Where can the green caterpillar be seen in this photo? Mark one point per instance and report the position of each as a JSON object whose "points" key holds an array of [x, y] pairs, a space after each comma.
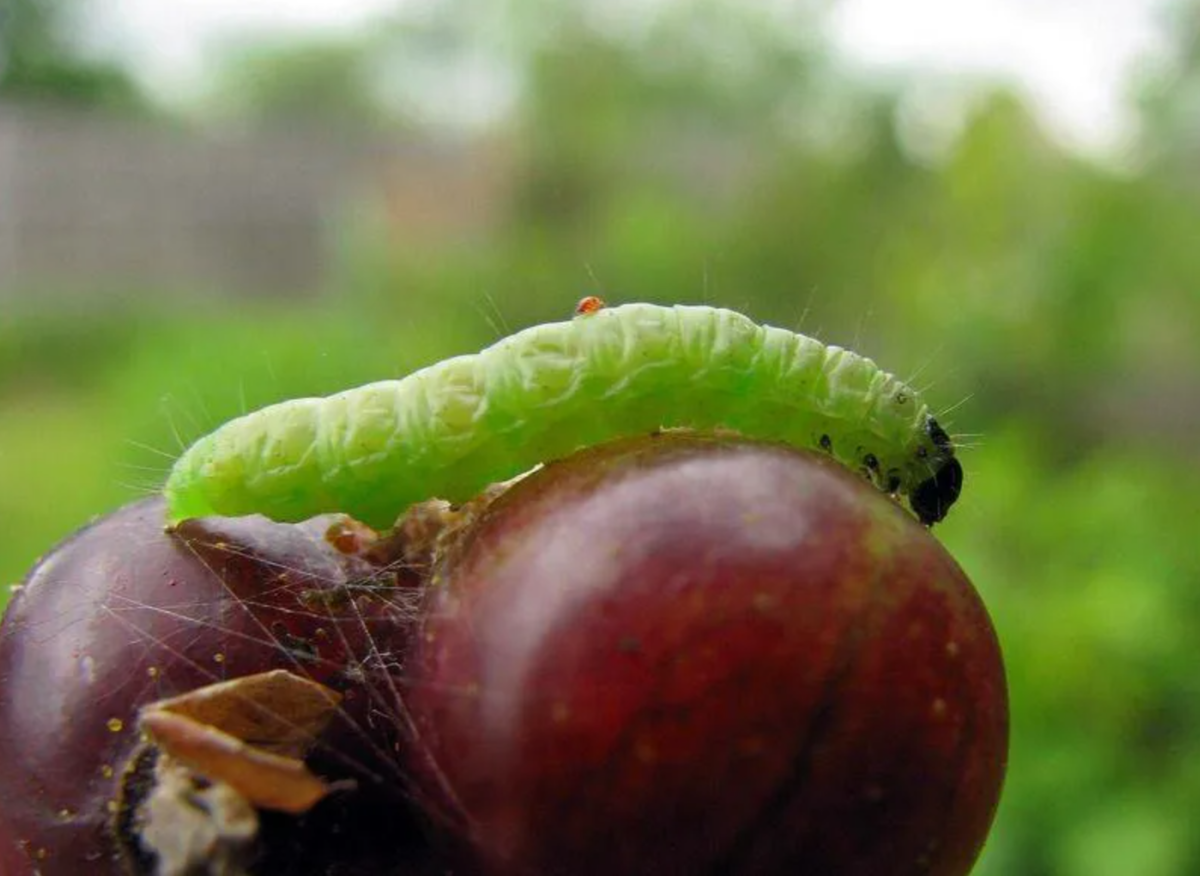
{"points": [[450, 429]]}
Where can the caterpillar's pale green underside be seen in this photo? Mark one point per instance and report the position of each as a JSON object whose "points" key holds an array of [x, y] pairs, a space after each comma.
{"points": [[452, 428]]}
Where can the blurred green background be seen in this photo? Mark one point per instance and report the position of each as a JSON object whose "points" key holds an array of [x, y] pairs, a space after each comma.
{"points": [[707, 152]]}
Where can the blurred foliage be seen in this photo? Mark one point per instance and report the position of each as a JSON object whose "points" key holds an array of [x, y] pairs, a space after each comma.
{"points": [[301, 81], [712, 153], [41, 58]]}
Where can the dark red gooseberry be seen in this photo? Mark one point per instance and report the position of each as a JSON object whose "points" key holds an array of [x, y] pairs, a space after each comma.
{"points": [[698, 655], [123, 614]]}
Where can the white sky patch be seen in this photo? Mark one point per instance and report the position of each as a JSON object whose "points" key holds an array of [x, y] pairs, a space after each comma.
{"points": [[1074, 58], [169, 41]]}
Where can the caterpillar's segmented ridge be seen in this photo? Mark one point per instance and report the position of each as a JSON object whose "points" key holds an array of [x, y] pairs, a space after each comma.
{"points": [[452, 428]]}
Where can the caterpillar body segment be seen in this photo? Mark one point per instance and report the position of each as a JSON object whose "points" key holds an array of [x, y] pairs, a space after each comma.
{"points": [[450, 429]]}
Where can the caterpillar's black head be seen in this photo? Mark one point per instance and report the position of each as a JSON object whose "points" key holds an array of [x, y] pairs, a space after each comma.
{"points": [[931, 499]]}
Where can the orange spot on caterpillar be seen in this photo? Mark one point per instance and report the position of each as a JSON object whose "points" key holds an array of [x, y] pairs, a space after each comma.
{"points": [[589, 304]]}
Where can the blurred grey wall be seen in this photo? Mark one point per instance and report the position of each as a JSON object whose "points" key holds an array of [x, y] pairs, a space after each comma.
{"points": [[89, 203]]}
